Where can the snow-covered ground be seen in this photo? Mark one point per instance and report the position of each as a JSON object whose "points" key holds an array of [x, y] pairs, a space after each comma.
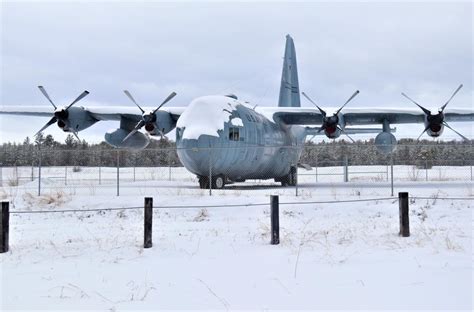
{"points": [[331, 256]]}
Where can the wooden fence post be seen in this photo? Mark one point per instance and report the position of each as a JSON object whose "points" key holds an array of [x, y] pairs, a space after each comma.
{"points": [[148, 222], [403, 211], [274, 218], [4, 231]]}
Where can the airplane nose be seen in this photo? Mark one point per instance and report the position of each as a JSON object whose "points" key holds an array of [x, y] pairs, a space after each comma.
{"points": [[195, 154]]}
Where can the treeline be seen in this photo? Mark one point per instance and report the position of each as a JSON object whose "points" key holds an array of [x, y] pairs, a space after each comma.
{"points": [[408, 152], [73, 152], [80, 153]]}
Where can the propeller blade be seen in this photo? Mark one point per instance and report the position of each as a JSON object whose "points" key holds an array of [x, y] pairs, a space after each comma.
{"points": [[427, 112], [172, 95], [350, 99], [77, 137], [133, 100], [444, 106], [426, 129], [139, 125], [43, 90], [343, 131], [49, 123], [462, 136], [320, 109], [81, 96]]}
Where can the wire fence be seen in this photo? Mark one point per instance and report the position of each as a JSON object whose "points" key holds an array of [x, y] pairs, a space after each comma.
{"points": [[110, 171], [241, 205]]}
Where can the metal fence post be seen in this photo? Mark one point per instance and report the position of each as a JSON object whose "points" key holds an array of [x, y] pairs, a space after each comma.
{"points": [[148, 219], [403, 211], [39, 171], [274, 220], [210, 171], [169, 165], [134, 166], [391, 175], [316, 170], [4, 232], [118, 172], [426, 169], [346, 169], [296, 180], [100, 162]]}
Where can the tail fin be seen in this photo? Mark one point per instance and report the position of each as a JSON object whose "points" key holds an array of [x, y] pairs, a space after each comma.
{"points": [[289, 88]]}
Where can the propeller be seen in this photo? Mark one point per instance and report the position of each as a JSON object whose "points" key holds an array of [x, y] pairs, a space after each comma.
{"points": [[60, 115], [148, 119], [437, 119], [332, 122]]}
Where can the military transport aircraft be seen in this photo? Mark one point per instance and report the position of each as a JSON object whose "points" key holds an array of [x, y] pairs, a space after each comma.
{"points": [[222, 137]]}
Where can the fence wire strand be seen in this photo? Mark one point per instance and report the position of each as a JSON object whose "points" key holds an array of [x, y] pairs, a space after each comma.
{"points": [[236, 205]]}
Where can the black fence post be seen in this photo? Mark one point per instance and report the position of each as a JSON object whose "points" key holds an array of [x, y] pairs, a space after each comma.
{"points": [[148, 222], [4, 231], [275, 221], [403, 210]]}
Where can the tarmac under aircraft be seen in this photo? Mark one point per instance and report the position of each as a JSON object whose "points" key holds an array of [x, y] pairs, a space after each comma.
{"points": [[222, 137]]}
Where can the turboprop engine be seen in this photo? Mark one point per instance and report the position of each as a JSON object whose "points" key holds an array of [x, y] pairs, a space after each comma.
{"points": [[332, 125], [155, 122], [435, 123], [69, 118]]}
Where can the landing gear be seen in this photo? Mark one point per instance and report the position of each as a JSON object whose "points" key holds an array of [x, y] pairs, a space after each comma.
{"points": [[203, 182], [218, 182], [290, 179]]}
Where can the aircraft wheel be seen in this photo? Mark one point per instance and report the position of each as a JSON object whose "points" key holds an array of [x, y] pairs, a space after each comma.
{"points": [[203, 182], [290, 178], [218, 182]]}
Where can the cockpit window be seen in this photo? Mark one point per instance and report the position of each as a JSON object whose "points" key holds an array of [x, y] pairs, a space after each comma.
{"points": [[234, 134]]}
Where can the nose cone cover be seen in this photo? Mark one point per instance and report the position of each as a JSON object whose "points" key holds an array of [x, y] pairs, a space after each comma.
{"points": [[206, 116]]}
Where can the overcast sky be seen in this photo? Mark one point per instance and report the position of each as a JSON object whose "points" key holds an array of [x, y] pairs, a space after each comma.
{"points": [[151, 48]]}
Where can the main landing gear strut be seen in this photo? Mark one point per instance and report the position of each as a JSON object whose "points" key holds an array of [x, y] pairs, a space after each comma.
{"points": [[290, 179], [218, 182]]}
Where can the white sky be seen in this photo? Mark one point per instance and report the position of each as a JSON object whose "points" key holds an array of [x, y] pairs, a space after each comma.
{"points": [[152, 48]]}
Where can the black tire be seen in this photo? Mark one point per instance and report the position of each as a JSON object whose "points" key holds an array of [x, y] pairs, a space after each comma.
{"points": [[203, 182], [290, 179], [218, 182]]}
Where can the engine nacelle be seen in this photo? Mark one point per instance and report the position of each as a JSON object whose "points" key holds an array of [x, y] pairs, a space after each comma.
{"points": [[74, 119], [386, 142], [434, 125], [332, 132], [136, 141], [161, 123]]}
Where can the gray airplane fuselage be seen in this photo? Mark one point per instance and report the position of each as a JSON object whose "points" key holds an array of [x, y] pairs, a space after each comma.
{"points": [[246, 145]]}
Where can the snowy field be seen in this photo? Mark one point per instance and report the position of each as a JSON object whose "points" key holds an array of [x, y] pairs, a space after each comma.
{"points": [[331, 256]]}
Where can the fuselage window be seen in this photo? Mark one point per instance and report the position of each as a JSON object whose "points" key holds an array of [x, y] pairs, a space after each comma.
{"points": [[234, 134]]}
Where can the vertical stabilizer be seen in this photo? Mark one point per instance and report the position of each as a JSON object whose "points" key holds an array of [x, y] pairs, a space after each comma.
{"points": [[289, 88]]}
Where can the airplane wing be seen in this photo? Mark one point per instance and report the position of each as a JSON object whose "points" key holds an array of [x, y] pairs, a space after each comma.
{"points": [[358, 116], [97, 112]]}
